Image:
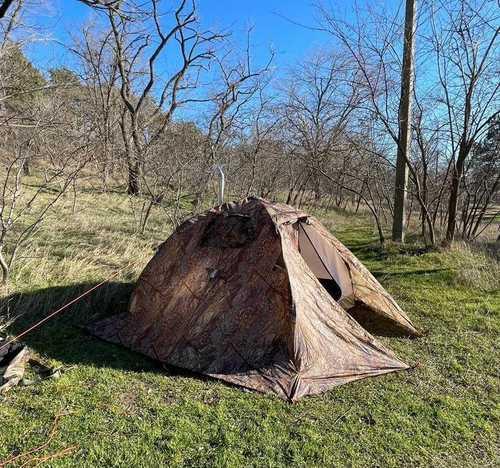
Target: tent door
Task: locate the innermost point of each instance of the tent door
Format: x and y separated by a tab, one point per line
325	262
331	287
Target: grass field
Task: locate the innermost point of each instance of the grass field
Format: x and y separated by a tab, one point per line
117	408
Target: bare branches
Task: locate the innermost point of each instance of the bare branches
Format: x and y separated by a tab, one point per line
97	4
463	41
56	139
4	6
156	99
462	38
137	55
102	4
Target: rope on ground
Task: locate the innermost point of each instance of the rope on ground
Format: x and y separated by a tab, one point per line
41	458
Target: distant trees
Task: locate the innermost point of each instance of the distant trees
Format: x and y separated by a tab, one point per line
137	52
154	101
98	70
39	129
481	183
454	103
464	41
320	100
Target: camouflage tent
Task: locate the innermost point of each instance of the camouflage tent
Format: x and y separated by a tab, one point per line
256	293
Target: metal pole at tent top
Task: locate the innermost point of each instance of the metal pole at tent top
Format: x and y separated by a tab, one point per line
222	182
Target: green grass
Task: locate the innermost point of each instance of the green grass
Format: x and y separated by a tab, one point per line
121	409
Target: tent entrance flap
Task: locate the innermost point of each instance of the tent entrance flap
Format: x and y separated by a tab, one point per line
331	287
325	262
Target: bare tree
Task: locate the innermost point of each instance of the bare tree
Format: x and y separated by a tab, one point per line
464	37
6	5
140	40
370	43
322	97
100	75
23	210
481	183
405	115
238	83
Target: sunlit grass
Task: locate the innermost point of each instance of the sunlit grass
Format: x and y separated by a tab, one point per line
121	409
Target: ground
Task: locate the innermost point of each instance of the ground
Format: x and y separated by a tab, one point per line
117	408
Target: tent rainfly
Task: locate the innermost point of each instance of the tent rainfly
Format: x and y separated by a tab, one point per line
262	296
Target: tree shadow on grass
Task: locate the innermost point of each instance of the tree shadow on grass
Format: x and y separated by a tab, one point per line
410	273
64	336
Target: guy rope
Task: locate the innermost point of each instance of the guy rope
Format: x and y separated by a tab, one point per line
61	309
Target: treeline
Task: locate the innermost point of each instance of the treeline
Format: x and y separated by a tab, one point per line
155	101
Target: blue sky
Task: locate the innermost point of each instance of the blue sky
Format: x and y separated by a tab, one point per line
275	24
271	28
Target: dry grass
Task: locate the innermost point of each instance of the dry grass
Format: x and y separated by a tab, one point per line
475	267
123	410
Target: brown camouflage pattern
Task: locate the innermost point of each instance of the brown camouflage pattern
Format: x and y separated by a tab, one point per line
230	296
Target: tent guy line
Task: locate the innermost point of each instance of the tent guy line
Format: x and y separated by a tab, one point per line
61	309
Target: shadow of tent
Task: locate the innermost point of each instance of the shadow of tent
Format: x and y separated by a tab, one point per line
64	337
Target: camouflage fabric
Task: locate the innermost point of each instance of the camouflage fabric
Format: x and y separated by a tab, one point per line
371	304
229	295
12	366
15	359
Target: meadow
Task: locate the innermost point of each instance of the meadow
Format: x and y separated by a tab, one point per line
117	408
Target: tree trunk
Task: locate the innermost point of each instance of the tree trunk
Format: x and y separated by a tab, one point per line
423	222
484	209
404	137
423	212
26	167
381	237
134	187
454	193
4	268
132	155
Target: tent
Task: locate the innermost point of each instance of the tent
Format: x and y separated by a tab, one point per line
260	295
